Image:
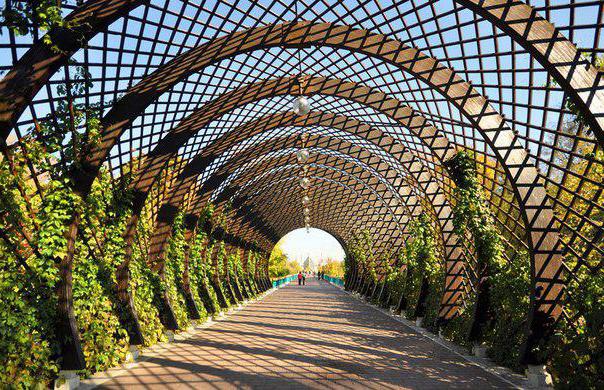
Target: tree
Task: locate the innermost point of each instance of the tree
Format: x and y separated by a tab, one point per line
279	264
333	268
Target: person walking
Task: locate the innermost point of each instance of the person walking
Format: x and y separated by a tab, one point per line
304	279
299	278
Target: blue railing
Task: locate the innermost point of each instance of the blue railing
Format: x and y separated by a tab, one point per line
285	280
336	281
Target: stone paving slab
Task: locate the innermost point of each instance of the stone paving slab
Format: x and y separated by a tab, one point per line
305	337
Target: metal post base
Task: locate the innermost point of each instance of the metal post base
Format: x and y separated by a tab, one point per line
67	380
538	377
479	350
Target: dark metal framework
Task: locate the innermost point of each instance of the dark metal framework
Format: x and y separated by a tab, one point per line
205	90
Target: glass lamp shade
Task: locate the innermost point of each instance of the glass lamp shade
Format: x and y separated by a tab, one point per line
305	200
305	182
301	106
302	155
306	211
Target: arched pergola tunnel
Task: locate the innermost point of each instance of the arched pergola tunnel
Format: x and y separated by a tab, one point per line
186	108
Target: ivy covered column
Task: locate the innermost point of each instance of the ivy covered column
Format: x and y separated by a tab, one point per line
262	267
403	301
205	248
230	276
395	284
255	262
216	258
224	259
190	225
239	274
167	267
388	271
472	216
245	272
251	271
360	249
124	294
422	269
349	270
360	279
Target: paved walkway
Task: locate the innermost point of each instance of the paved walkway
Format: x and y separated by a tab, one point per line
313	336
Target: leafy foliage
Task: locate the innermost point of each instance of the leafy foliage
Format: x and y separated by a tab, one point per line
471	212
333	268
198	269
38	204
360	258
144	283
509	281
576	359
98	253
421	261
196	274
27	340
219	265
173	268
510	296
395	281
279	265
26	17
29	16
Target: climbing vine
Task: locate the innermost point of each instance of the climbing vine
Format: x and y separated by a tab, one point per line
30	17
173	269
396	281
196	274
471	212
205	249
28	349
506	285
98	253
251	271
360	250
219	272
144	283
421	261
237	273
38	204
510	295
200	284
